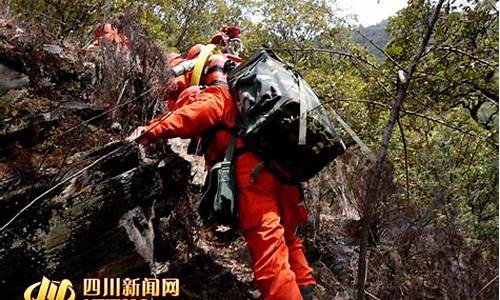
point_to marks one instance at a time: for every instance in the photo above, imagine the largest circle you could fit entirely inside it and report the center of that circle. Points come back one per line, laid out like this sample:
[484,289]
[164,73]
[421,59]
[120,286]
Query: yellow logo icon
[50,290]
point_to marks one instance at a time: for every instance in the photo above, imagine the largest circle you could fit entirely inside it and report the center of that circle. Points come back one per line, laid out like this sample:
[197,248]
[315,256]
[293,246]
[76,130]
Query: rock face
[99,224]
[11,79]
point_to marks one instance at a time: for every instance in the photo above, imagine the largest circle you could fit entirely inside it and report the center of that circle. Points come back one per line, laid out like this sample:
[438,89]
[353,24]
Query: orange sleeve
[190,120]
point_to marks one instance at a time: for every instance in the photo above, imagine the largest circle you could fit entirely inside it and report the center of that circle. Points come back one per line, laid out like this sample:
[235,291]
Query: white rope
[58,185]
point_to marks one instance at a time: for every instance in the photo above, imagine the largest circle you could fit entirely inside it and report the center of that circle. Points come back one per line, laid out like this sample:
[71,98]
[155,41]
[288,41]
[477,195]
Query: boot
[307,292]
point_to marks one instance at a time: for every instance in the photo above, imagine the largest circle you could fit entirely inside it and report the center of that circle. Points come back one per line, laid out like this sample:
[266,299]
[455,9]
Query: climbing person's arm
[185,122]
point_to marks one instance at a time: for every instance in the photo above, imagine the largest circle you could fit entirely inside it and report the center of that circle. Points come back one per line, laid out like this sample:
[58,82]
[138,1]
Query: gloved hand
[137,136]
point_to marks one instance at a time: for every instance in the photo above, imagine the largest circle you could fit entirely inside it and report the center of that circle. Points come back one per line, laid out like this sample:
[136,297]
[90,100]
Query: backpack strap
[274,169]
[230,148]
[302,115]
[362,146]
[205,53]
[256,171]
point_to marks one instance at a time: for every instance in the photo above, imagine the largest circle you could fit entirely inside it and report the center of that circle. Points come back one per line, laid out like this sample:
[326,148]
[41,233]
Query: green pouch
[219,199]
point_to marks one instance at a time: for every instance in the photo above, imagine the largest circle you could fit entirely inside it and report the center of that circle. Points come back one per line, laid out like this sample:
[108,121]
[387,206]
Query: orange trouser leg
[272,272]
[298,262]
[292,214]
[260,223]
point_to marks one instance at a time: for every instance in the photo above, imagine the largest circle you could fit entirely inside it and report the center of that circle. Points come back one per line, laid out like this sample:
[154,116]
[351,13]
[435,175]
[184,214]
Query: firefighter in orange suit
[109,33]
[269,211]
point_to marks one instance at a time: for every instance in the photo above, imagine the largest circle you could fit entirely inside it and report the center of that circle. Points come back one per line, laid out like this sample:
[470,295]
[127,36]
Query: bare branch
[484,287]
[489,141]
[372,295]
[453,49]
[381,50]
[403,139]
[429,118]
[335,52]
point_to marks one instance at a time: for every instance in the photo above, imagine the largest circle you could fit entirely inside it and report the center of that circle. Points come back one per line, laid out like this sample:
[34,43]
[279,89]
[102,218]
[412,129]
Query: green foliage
[63,17]
[181,24]
[455,158]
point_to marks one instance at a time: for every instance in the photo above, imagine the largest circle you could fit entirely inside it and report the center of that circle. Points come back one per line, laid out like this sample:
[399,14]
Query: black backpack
[281,119]
[271,97]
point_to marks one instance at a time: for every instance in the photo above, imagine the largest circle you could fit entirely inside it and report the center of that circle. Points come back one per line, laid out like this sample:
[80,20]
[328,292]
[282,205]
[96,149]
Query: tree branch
[381,50]
[429,118]
[336,52]
[484,287]
[453,49]
[403,139]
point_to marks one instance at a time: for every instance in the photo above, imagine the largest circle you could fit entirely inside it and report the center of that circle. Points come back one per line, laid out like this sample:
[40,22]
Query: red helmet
[102,29]
[228,39]
[110,33]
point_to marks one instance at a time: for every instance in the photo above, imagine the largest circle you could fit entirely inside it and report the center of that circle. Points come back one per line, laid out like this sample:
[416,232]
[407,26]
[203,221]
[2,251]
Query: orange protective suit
[215,73]
[269,211]
[110,33]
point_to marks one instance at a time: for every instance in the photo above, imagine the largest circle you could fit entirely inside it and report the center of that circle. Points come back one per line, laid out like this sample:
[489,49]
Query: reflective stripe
[216,68]
[214,71]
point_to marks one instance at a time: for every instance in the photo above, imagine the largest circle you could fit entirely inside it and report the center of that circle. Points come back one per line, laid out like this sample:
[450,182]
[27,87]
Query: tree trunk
[372,189]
